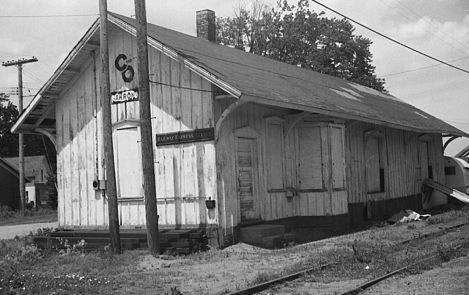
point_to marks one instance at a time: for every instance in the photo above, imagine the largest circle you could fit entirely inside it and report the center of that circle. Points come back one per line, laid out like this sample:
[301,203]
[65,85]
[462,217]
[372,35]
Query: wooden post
[105,93]
[20,63]
[148,165]
[21,142]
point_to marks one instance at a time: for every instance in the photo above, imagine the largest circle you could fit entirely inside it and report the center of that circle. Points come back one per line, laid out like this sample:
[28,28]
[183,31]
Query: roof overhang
[12,170]
[40,112]
[39,116]
[300,107]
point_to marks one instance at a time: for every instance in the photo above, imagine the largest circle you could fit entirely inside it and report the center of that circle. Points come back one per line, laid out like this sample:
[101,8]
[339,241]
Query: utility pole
[105,92]
[148,165]
[20,63]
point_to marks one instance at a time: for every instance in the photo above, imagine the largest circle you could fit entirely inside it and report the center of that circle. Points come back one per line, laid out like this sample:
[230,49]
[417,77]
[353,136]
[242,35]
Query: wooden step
[176,241]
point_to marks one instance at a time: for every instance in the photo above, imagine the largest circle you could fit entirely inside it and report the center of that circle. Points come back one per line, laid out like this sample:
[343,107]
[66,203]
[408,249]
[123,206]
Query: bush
[445,252]
[6,212]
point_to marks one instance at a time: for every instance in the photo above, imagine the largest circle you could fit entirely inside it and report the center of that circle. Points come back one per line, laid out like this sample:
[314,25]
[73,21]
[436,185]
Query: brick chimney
[206,27]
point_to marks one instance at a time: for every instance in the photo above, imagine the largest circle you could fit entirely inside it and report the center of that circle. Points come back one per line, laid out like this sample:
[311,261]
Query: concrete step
[255,233]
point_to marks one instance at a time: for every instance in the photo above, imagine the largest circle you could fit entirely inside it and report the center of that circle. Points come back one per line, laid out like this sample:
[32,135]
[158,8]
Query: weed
[445,252]
[6,212]
[411,226]
[448,216]
[174,291]
[262,277]
[436,219]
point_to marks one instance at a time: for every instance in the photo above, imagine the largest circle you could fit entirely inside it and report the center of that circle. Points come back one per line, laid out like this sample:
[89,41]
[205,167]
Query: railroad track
[290,277]
[375,281]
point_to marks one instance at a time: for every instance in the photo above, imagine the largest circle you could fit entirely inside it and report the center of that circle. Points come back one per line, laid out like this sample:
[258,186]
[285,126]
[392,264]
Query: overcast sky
[437,27]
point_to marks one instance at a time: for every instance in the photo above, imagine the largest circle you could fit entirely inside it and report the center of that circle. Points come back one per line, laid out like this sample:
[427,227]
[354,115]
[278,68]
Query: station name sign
[124,96]
[204,134]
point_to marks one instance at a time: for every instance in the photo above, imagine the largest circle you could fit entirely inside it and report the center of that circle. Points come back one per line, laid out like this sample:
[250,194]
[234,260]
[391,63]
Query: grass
[27,270]
[24,269]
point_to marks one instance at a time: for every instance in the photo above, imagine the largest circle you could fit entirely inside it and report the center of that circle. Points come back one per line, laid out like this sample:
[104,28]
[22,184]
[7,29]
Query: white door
[128,162]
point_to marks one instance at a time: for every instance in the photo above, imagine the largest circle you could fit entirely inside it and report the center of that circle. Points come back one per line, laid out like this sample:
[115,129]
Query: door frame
[127,124]
[250,133]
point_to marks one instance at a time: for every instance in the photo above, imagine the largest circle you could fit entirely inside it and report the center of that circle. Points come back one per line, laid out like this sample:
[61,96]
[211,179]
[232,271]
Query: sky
[439,28]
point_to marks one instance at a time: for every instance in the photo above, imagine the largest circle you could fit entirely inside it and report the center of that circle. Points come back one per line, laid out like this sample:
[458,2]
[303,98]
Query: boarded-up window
[375,163]
[337,157]
[128,163]
[450,170]
[274,156]
[309,158]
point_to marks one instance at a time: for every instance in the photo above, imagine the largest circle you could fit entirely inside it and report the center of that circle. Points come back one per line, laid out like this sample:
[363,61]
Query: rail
[268,284]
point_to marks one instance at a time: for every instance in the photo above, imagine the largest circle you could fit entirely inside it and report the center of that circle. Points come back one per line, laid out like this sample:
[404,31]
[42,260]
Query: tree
[8,141]
[297,35]
[34,144]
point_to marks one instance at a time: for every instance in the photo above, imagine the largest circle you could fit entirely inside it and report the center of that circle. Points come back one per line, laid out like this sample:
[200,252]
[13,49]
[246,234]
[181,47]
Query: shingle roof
[257,79]
[32,166]
[10,168]
[268,81]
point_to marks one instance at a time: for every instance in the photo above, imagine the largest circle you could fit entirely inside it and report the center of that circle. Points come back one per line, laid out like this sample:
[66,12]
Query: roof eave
[63,66]
[266,101]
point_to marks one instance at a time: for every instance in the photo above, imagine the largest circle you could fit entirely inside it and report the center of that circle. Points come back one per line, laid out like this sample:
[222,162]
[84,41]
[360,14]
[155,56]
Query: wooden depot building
[239,139]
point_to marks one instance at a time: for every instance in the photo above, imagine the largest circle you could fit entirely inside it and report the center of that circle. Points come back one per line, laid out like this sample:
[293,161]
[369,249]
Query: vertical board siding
[402,175]
[76,147]
[185,174]
[188,174]
[274,203]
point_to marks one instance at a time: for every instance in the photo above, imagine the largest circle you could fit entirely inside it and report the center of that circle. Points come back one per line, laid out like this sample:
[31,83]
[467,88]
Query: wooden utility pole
[20,63]
[105,92]
[148,165]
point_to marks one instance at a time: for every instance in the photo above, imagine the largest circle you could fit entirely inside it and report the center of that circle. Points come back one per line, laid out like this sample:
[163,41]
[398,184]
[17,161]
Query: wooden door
[128,163]
[423,160]
[425,168]
[309,160]
[246,165]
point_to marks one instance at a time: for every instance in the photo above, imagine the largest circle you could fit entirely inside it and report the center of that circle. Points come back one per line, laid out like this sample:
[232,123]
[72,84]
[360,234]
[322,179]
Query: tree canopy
[33,144]
[297,35]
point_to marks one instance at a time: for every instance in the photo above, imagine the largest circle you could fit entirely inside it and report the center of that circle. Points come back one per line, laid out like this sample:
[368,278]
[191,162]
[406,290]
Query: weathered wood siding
[79,152]
[185,174]
[316,198]
[403,174]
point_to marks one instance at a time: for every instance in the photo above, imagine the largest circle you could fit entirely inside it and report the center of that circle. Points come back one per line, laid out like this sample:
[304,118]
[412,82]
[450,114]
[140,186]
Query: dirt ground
[37,217]
[10,231]
[220,271]
[236,267]
[450,278]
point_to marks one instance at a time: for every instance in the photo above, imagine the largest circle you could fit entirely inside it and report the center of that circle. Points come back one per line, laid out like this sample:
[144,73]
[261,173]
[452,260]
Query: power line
[456,122]
[421,68]
[182,87]
[393,40]
[433,26]
[46,16]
